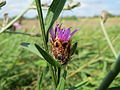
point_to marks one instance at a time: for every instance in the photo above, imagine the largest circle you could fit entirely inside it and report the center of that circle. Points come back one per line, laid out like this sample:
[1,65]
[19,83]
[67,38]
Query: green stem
[78,85]
[14,20]
[53,76]
[59,72]
[40,16]
[108,39]
[110,76]
[41,21]
[39,83]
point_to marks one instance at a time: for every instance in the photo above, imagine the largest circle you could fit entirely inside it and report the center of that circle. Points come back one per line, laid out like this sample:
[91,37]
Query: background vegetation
[19,68]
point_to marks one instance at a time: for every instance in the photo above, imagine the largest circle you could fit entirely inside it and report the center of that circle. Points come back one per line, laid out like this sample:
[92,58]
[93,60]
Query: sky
[88,8]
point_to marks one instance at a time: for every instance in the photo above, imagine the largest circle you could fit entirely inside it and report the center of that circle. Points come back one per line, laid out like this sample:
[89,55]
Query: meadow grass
[20,68]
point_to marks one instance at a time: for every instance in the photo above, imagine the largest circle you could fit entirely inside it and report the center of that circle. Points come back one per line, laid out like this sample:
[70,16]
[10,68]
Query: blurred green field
[19,68]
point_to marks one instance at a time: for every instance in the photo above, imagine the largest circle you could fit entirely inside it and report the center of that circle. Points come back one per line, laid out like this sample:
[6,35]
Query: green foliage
[111,75]
[19,67]
[55,10]
[61,85]
[73,49]
[47,57]
[32,48]
[53,13]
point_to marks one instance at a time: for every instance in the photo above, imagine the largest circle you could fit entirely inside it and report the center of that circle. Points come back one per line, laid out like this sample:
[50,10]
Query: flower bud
[104,15]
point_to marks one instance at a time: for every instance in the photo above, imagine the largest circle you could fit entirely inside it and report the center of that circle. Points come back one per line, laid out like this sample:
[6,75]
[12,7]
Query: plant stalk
[53,75]
[59,72]
[108,39]
[110,76]
[40,16]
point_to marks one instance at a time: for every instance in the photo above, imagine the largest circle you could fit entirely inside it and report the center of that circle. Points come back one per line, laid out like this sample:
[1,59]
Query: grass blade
[41,77]
[61,85]
[78,85]
[40,82]
[114,88]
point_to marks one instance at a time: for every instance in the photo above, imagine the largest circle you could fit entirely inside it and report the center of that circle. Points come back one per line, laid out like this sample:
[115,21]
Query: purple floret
[62,34]
[52,33]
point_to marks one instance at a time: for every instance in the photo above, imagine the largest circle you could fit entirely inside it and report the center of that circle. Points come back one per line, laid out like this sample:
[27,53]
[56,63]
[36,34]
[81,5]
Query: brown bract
[61,51]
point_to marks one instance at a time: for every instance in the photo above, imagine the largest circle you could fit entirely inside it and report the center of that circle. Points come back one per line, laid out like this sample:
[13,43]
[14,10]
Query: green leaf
[47,56]
[39,82]
[31,47]
[72,51]
[77,85]
[114,88]
[41,78]
[41,63]
[41,21]
[54,11]
[61,85]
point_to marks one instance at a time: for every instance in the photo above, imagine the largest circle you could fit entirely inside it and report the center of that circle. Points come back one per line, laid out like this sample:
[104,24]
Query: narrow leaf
[72,51]
[114,88]
[41,77]
[61,85]
[78,85]
[31,47]
[47,57]
[54,11]
[40,82]
[41,21]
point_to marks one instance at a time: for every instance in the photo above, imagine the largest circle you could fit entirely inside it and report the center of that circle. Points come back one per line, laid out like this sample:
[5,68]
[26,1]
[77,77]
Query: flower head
[16,25]
[61,43]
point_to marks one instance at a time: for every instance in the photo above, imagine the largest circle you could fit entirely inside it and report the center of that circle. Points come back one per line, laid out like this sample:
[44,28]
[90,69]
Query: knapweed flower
[16,25]
[61,43]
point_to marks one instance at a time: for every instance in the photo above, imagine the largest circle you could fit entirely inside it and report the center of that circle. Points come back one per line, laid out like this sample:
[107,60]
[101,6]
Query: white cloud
[83,5]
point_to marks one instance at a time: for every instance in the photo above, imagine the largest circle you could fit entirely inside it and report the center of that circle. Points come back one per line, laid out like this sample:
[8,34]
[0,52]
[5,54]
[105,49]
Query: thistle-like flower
[61,43]
[16,25]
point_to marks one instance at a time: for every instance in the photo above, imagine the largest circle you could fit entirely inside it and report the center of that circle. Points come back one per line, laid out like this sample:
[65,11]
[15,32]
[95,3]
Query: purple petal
[52,33]
[72,33]
[66,34]
[60,32]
